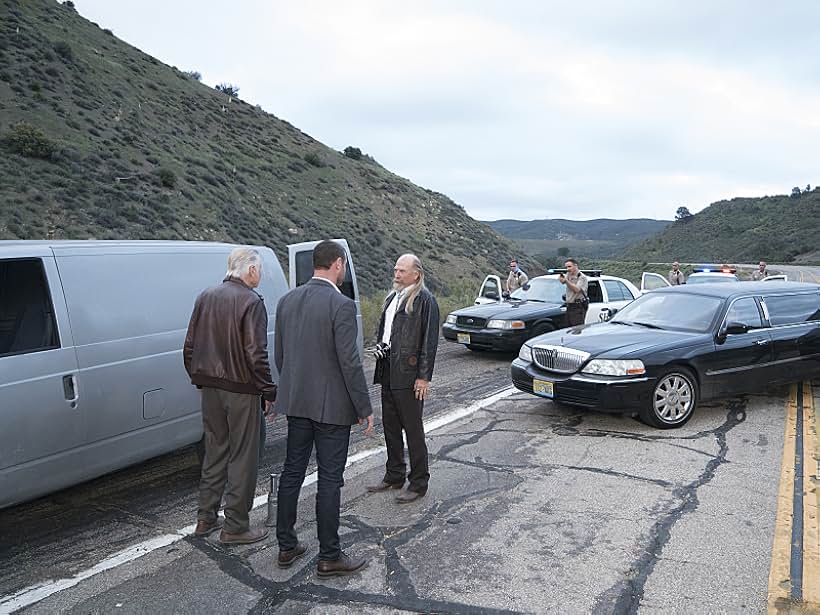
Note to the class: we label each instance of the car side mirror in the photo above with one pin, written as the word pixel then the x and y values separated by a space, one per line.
pixel 731 328
pixel 491 294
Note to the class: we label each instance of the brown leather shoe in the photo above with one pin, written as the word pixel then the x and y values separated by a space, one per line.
pixel 245 538
pixel 405 497
pixel 384 486
pixel 203 528
pixel 286 558
pixel 339 567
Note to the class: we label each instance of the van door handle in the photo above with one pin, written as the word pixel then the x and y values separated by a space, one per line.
pixel 70 390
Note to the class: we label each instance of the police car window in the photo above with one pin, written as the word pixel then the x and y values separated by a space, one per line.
pixel 793 309
pixel 594 293
pixel 746 312
pixel 490 286
pixel 616 291
pixel 27 321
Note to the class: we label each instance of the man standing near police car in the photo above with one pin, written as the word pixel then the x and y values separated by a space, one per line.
pixel 406 352
pixel 577 298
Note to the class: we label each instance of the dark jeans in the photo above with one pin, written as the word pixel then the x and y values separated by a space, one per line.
pixel 231 424
pixel 402 411
pixel 576 313
pixel 331 455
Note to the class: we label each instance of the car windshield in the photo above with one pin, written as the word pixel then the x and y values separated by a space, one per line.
pixel 716 277
pixel 548 290
pixel 676 311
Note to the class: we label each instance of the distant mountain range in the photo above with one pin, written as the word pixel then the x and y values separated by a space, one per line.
pixel 601 238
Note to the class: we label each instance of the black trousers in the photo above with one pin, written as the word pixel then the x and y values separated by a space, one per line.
pixel 576 313
pixel 331 456
pixel 401 411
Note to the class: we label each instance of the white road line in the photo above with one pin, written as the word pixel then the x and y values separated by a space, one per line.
pixel 34 593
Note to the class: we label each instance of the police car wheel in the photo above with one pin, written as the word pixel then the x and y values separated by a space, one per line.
pixel 475 348
pixel 673 399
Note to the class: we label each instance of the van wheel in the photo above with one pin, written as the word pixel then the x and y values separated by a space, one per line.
pixel 673 400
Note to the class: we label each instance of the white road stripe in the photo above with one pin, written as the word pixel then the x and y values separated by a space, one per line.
pixel 40 591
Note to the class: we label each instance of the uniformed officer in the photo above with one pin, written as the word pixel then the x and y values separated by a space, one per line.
pixel 761 272
pixel 676 275
pixel 577 298
pixel 517 278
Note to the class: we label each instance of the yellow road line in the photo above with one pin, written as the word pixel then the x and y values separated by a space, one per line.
pixel 811 499
pixel 779 572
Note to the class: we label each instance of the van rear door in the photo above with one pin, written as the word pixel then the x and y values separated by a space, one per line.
pixel 300 270
pixel 41 411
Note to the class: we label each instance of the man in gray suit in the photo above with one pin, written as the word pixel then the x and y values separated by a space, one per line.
pixel 322 391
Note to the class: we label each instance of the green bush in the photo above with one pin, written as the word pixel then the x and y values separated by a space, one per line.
pixel 313 158
pixel 64 50
pixel 353 152
pixel 29 141
pixel 229 89
pixel 167 178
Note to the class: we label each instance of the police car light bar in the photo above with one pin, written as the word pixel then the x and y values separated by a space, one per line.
pixel 709 269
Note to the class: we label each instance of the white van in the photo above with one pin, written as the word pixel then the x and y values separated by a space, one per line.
pixel 91 335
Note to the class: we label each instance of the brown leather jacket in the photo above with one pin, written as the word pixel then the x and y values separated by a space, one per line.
pixel 226 346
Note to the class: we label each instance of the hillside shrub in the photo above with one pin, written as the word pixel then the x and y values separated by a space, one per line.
pixel 353 153
pixel 167 178
pixel 314 159
pixel 29 141
pixel 228 88
pixel 64 50
pixel 193 74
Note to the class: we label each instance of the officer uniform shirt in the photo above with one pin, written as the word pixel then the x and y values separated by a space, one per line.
pixel 759 275
pixel 516 280
pixel 582 282
pixel 676 277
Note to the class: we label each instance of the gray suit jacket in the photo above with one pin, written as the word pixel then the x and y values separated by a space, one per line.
pixel 316 352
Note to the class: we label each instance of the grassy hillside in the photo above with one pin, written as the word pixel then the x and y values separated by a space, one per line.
pixel 100 140
pixel 600 238
pixel 778 229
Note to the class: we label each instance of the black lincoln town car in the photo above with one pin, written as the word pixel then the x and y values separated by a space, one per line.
pixel 669 349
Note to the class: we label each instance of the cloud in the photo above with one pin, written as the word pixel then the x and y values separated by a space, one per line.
pixel 547 109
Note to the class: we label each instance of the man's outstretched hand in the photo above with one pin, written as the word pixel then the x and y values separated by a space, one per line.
pixel 369 429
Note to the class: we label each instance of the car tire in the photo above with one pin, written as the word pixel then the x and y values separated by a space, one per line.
pixel 673 399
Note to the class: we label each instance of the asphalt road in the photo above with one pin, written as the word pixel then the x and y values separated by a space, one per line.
pixel 61 534
pixel 532 507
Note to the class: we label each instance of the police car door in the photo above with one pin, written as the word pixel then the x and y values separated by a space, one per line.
pixel 489 291
pixel 300 270
pixel 652 281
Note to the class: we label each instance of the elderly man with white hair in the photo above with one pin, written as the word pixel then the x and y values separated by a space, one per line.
pixel 226 355
pixel 408 339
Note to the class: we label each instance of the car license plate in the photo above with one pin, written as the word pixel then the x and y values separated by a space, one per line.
pixel 463 338
pixel 543 388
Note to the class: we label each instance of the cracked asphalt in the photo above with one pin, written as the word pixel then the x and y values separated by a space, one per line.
pixel 532 508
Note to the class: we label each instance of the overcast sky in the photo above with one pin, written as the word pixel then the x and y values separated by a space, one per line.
pixel 529 109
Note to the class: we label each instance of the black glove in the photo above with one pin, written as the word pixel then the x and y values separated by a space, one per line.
pixel 382 350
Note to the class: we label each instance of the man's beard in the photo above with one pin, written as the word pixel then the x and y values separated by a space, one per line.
pixel 397 286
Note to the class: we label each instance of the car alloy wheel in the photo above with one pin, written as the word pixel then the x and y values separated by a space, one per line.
pixel 673 400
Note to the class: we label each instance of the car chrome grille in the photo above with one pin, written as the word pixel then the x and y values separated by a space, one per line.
pixel 558 358
pixel 471 321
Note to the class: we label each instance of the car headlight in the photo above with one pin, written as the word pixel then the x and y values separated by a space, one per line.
pixel 525 353
pixel 610 367
pixel 505 324
pixel 451 319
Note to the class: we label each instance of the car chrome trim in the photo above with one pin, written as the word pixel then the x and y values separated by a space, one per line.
pixel 611 380
pixel 558 358
pixel 744 368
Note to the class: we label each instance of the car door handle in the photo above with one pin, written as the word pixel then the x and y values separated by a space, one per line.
pixel 70 390
pixel 761 342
